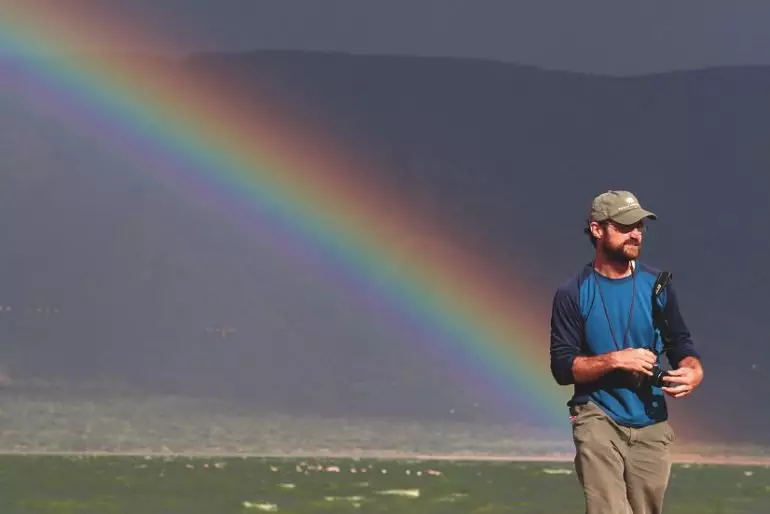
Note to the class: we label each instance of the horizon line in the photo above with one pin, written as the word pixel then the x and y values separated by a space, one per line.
pixel 181 57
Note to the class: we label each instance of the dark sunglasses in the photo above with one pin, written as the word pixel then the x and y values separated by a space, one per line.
pixel 626 229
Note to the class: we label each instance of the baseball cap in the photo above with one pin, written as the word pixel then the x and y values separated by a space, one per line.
pixel 619 206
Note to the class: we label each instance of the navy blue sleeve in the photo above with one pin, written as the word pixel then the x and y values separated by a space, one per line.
pixel 680 339
pixel 566 333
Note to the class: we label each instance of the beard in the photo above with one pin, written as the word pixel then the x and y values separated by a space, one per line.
pixel 622 253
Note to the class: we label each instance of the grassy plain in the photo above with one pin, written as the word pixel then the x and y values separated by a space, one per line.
pixel 198 485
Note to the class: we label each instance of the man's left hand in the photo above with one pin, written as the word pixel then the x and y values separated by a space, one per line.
pixel 683 380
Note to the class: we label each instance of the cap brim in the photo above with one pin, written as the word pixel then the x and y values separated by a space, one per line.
pixel 633 216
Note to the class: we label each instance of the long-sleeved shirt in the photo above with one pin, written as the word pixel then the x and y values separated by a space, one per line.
pixel 584 309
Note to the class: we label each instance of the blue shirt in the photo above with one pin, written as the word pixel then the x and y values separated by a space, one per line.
pixel 584 308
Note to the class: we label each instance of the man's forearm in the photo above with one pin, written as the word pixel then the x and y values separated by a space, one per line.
pixel 589 369
pixel 691 362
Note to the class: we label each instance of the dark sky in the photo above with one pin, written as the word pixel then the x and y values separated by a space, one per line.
pixel 597 36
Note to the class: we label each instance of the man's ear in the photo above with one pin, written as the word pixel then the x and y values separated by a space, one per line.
pixel 596 228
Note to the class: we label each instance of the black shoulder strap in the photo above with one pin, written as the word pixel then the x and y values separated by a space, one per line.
pixel 661 282
pixel 664 277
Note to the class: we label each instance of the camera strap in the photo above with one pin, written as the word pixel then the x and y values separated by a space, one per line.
pixel 658 318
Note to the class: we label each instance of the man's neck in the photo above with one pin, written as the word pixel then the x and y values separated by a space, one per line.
pixel 611 268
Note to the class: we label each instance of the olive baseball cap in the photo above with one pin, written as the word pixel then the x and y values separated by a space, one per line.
pixel 619 206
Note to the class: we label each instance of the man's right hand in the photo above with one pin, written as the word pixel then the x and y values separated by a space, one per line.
pixel 634 359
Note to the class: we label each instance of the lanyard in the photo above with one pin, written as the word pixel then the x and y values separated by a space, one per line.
pixel 630 311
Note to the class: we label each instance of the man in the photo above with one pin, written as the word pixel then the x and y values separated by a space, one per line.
pixel 601 329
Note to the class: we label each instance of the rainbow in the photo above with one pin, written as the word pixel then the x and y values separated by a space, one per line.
pixel 292 182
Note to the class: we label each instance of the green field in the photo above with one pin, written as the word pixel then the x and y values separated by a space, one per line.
pixel 166 485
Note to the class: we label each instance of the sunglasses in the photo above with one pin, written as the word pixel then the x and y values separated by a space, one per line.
pixel 627 229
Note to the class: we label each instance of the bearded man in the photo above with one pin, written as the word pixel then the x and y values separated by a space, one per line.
pixel 605 343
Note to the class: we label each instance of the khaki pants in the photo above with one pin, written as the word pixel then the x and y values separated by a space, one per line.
pixel 621 469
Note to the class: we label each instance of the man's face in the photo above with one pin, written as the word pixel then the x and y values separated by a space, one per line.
pixel 621 243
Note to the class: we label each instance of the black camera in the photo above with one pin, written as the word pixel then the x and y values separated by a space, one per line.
pixel 658 376
pixel 656 380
